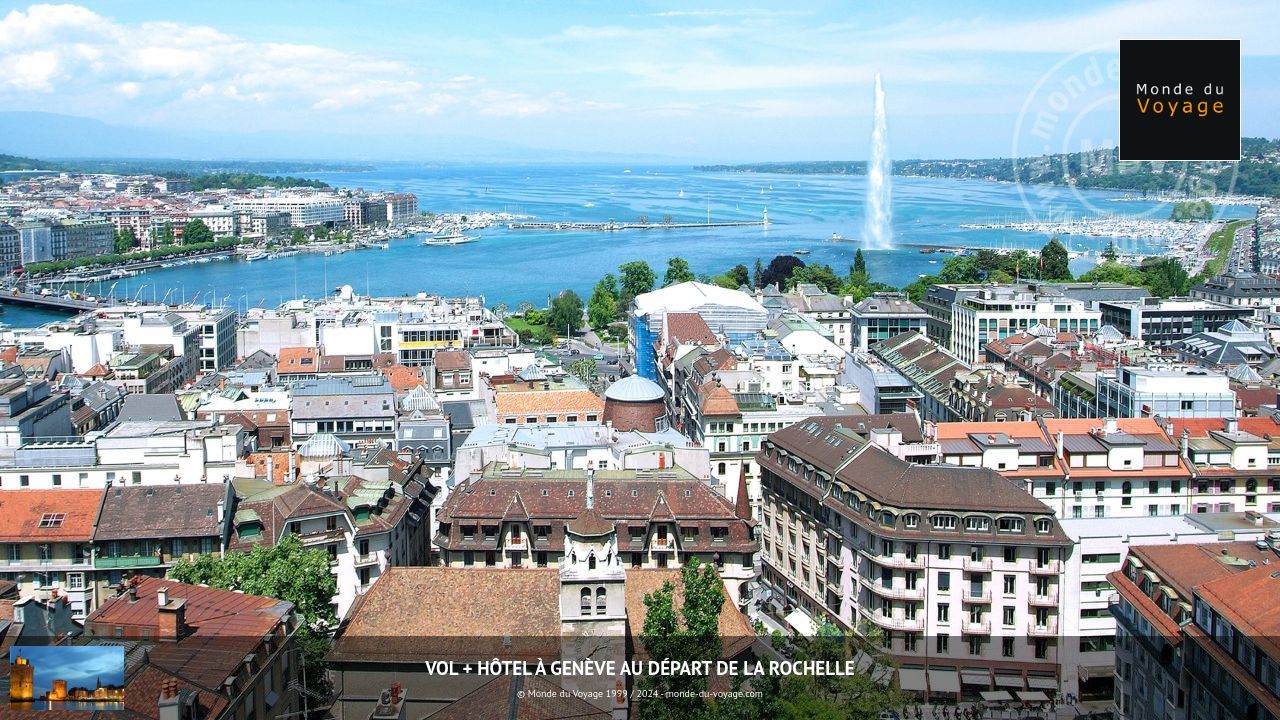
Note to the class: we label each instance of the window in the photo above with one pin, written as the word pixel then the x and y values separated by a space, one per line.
pixel 1006 646
pixel 1010 554
pixel 585 602
pixel 944 551
pixel 1011 525
pixel 944 613
pixel 942 644
pixel 601 603
pixel 57 480
pixel 541 558
pixel 24 481
pixel 1010 584
pixel 1008 617
pixel 944 581
pixel 52 520
pixel 490 558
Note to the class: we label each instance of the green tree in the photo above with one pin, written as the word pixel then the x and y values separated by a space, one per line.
pixel 757 274
pixel 697 638
pixel 584 368
pixel 860 696
pixel 501 310
pixel 677 272
pixel 321 232
pixel 297 236
pixel 166 235
pixel 286 571
pixel 1111 254
pixel 739 275
pixel 859 262
pixel 565 313
pixel 602 308
pixel 1165 277
pixel 196 232
pixel 125 241
pixel 779 271
pixel 637 278
pixel 821 275
pixel 1054 261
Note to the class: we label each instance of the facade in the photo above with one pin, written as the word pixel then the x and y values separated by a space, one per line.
pixel 829 311
pixel 997 312
pixel 882 316
pixel 1164 321
pixel 352 408
pixel 958 568
pixel 517 517
pixel 304 210
pixel 30 410
pixel 1195 628
pixel 48 543
pixel 930 368
pixel 723 311
pixel 1260 293
pixel 10 248
pixel 1235 463
pixel 401 207
pixel 65 239
pixel 1164 390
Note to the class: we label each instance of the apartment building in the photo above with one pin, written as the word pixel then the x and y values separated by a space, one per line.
pixel 1163 321
pixel 1235 463
pixel 813 303
pixel 30 410
pixel 1255 291
pixel 997 312
pixel 882 316
pixel 304 210
pixel 1195 629
pixel 10 248
pixel 517 517
pixel 401 207
pixel 48 543
pixel 958 568
pixel 352 408
pixel 930 368
pixel 1163 390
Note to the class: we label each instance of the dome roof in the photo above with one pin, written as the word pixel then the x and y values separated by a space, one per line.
pixel 323 445
pixel 634 389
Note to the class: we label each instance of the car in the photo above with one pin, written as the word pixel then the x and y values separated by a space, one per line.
pixel 598 356
pixel 889 715
pixel 575 351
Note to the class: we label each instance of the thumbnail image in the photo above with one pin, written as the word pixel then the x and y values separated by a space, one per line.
pixel 66 678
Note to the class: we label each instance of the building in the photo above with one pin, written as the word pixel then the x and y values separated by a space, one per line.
pixel 48 536
pixel 996 312
pixel 264 223
pixel 958 568
pixel 226 655
pixel 724 311
pixel 451 374
pixel 880 388
pixel 1195 629
pixel 304 210
pixel 1164 321
pixel 635 403
pixel 222 222
pixel 1235 463
pixel 65 239
pixel 10 248
pixel 352 408
pixel 401 207
pixel 516 517
pixel 1229 346
pixel 531 397
pixel 882 316
pixel 30 410
pixel 1164 390
pixel 1260 293
pixel 929 367
pixel 818 305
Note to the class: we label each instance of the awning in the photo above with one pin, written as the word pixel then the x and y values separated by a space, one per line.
pixel 976 677
pixel 1095 671
pixel 801 623
pixel 1044 683
pixel 911 679
pixel 944 681
pixel 1033 696
pixel 1009 681
pixel 996 696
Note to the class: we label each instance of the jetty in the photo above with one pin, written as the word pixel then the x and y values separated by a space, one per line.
pixel 614 226
pixel 53 302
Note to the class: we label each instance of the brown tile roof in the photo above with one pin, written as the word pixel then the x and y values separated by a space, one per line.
pixel 736 633
pixel 98 371
pixel 452 360
pixel 1183 566
pixel 549 402
pixel 589 523
pixel 520 697
pixel 955 430
pixel 22 512
pixel 717 400
pixel 163 511
pixel 1248 600
pixel 687 328
pixel 142 694
pixel 298 360
pixel 402 378
pixel 1200 427
pixel 279 467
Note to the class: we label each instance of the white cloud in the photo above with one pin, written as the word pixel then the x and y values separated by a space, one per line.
pixel 129 89
pixel 29 71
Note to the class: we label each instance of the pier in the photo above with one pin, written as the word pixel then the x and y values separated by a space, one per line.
pixel 51 302
pixel 612 226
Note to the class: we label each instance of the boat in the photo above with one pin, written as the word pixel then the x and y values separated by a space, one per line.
pixel 928 250
pixel 802 252
pixel 451 238
pixel 836 237
pixel 255 255
pixel 589 205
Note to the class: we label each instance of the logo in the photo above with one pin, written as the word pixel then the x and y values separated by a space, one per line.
pixel 1180 100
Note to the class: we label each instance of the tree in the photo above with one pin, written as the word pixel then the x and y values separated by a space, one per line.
pixel 862 695
pixel 321 232
pixel 637 278
pixel 125 241
pixel 677 272
pixel 501 310
pixel 1113 272
pixel 779 271
pixel 297 236
pixel 584 368
pixel 696 639
pixel 166 235
pixel 523 308
pixel 286 571
pixel 1110 254
pixel 1165 277
pixel 196 232
pixel 859 262
pixel 1054 261
pixel 565 313
pixel 821 275
pixel 757 274
pixel 602 308
pixel 739 275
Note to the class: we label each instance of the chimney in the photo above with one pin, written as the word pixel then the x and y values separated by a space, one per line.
pixel 1110 426
pixel 1185 443
pixel 591 486
pixel 170 704
pixel 133 595
pixel 1058 450
pixel 391 704
pixel 1232 424
pixel 162 596
pixel 222 510
pixel 173 620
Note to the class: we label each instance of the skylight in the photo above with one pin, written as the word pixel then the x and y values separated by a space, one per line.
pixel 52 520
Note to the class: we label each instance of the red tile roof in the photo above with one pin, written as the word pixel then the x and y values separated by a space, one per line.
pixel 403 378
pixel 61 515
pixel 298 360
pixel 1200 427
pixel 684 328
pixel 452 360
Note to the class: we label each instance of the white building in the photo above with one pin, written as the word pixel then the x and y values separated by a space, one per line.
pixel 1164 390
pixel 304 210
pixel 997 312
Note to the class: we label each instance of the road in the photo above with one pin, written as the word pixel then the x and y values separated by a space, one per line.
pixel 608 366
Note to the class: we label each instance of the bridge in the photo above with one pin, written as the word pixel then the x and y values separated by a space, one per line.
pixel 51 302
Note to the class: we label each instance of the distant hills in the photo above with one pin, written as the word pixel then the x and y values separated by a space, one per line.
pixel 1258 171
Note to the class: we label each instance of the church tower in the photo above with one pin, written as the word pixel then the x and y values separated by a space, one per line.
pixel 593 606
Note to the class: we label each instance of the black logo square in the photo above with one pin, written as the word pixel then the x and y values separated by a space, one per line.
pixel 1179 99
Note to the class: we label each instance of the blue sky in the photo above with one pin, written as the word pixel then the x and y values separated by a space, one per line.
pixel 80 666
pixel 688 80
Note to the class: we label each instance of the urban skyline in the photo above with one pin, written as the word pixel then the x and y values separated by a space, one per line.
pixel 87 667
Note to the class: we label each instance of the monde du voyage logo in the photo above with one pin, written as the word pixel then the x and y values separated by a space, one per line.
pixel 1180 100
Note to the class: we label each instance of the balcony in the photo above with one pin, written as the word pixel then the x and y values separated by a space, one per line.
pixel 1052 567
pixel 324 537
pixel 897 623
pixel 517 543
pixel 663 544
pixel 128 561
pixel 1048 628
pixel 896 593
pixel 972 565
pixel 50 564
pixel 977 596
pixel 893 561
pixel 982 627
pixel 1043 600
pixel 368 559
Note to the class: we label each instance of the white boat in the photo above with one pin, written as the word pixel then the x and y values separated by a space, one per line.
pixel 255 255
pixel 802 252
pixel 836 237
pixel 589 205
pixel 452 238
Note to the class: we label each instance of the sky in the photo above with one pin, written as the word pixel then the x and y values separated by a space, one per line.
pixel 682 80
pixel 80 666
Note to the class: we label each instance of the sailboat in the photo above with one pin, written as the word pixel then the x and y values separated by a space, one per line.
pixel 681 192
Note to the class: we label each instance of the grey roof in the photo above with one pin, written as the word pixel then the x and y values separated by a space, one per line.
pixel 99 395
pixel 359 385
pixel 150 408
pixel 460 415
pixel 323 445
pixel 634 388
pixel 164 511
pixel 342 406
pixel 420 400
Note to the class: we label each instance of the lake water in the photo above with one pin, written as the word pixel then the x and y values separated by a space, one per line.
pixel 515 265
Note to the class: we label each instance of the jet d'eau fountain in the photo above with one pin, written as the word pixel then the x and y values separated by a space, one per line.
pixel 877 232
